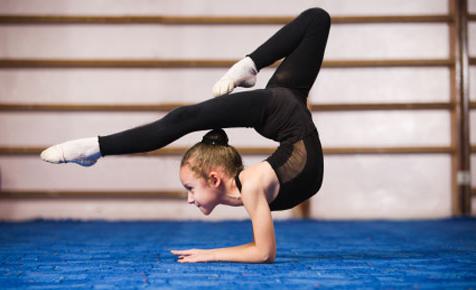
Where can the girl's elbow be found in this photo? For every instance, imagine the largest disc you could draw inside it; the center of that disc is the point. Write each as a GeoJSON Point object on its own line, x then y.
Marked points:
{"type": "Point", "coordinates": [269, 257]}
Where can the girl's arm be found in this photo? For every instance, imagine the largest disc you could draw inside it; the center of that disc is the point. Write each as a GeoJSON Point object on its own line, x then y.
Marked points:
{"type": "Point", "coordinates": [261, 250]}
{"type": "Point", "coordinates": [263, 247]}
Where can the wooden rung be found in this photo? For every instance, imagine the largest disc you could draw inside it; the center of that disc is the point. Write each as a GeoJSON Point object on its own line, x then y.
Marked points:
{"type": "Point", "coordinates": [472, 61]}
{"type": "Point", "coordinates": [389, 150]}
{"type": "Point", "coordinates": [392, 19]}
{"type": "Point", "coordinates": [171, 106]}
{"type": "Point", "coordinates": [382, 106]}
{"type": "Point", "coordinates": [114, 63]}
{"type": "Point", "coordinates": [91, 107]}
{"type": "Point", "coordinates": [91, 194]}
{"type": "Point", "coordinates": [388, 63]}
{"type": "Point", "coordinates": [190, 63]}
{"type": "Point", "coordinates": [211, 20]}
{"type": "Point", "coordinates": [177, 151]}
{"type": "Point", "coordinates": [303, 211]}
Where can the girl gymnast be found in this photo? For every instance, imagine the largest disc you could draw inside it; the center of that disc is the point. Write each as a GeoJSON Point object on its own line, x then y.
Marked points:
{"type": "Point", "coordinates": [212, 171]}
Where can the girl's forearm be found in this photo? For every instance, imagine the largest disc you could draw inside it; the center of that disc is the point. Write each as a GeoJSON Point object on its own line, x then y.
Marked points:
{"type": "Point", "coordinates": [247, 253]}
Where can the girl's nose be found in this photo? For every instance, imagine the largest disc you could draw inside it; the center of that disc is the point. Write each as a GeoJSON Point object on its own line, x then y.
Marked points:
{"type": "Point", "coordinates": [190, 198]}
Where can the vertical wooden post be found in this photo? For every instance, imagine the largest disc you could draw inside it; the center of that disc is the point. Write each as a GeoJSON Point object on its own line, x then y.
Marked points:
{"type": "Point", "coordinates": [461, 176]}
{"type": "Point", "coordinates": [302, 211]}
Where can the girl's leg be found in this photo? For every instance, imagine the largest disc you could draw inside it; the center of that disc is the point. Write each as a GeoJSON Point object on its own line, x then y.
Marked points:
{"type": "Point", "coordinates": [236, 110]}
{"type": "Point", "coordinates": [302, 43]}
{"type": "Point", "coordinates": [243, 109]}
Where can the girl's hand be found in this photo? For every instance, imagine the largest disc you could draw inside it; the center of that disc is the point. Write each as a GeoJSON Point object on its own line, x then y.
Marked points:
{"type": "Point", "coordinates": [193, 255]}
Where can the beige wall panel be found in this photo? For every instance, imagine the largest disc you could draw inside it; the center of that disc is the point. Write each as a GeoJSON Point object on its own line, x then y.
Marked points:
{"type": "Point", "coordinates": [473, 169]}
{"type": "Point", "coordinates": [401, 41]}
{"type": "Point", "coordinates": [113, 86]}
{"type": "Point", "coordinates": [26, 129]}
{"type": "Point", "coordinates": [383, 128]}
{"type": "Point", "coordinates": [472, 38]}
{"type": "Point", "coordinates": [118, 86]}
{"type": "Point", "coordinates": [400, 187]}
{"type": "Point", "coordinates": [472, 6]}
{"type": "Point", "coordinates": [155, 41]}
{"type": "Point", "coordinates": [107, 209]}
{"type": "Point", "coordinates": [354, 187]}
{"type": "Point", "coordinates": [131, 41]}
{"type": "Point", "coordinates": [472, 127]}
{"type": "Point", "coordinates": [228, 7]}
{"type": "Point", "coordinates": [473, 206]}
{"type": "Point", "coordinates": [114, 173]}
{"type": "Point", "coordinates": [118, 209]}
{"type": "Point", "coordinates": [407, 128]}
{"type": "Point", "coordinates": [382, 85]}
{"type": "Point", "coordinates": [472, 83]}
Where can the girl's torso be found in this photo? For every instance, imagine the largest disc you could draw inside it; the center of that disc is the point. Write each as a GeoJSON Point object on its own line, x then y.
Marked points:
{"type": "Point", "coordinates": [293, 173]}
{"type": "Point", "coordinates": [289, 176]}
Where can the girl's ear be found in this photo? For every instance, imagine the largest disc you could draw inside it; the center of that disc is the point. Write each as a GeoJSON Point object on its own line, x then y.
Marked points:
{"type": "Point", "coordinates": [214, 179]}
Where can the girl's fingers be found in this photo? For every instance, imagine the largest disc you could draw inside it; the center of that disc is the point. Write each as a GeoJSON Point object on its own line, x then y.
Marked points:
{"type": "Point", "coordinates": [182, 259]}
{"type": "Point", "coordinates": [186, 260]}
{"type": "Point", "coordinates": [177, 251]}
{"type": "Point", "coordinates": [182, 252]}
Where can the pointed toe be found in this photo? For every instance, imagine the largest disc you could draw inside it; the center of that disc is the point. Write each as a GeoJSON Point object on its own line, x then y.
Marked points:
{"type": "Point", "coordinates": [52, 154]}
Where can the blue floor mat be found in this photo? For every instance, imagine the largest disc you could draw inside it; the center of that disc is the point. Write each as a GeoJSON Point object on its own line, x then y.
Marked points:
{"type": "Point", "coordinates": [437, 254]}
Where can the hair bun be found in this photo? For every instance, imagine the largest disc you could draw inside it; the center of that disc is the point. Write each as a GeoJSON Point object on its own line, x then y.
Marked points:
{"type": "Point", "coordinates": [216, 137]}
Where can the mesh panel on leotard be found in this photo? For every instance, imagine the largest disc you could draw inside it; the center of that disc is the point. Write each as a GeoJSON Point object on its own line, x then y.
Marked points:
{"type": "Point", "coordinates": [295, 163]}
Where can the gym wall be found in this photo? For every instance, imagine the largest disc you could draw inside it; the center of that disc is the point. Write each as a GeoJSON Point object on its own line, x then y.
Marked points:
{"type": "Point", "coordinates": [380, 163]}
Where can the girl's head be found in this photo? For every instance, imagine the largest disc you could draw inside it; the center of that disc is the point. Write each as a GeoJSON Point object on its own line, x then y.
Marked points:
{"type": "Point", "coordinates": [205, 166]}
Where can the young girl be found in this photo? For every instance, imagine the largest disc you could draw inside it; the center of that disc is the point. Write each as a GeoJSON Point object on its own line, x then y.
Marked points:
{"type": "Point", "coordinates": [212, 171]}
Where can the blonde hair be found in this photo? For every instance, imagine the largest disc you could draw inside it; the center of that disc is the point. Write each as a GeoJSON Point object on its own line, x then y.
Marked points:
{"type": "Point", "coordinates": [211, 153]}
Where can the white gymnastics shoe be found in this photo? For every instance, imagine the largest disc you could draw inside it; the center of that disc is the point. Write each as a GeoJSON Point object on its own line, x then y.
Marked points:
{"type": "Point", "coordinates": [84, 152]}
{"type": "Point", "coordinates": [241, 74]}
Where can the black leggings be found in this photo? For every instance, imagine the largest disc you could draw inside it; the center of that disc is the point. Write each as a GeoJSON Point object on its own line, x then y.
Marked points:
{"type": "Point", "coordinates": [301, 42]}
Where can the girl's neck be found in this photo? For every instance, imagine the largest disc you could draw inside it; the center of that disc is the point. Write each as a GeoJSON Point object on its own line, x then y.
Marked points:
{"type": "Point", "coordinates": [232, 195]}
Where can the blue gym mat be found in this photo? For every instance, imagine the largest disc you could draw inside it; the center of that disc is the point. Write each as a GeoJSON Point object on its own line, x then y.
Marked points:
{"type": "Point", "coordinates": [434, 254]}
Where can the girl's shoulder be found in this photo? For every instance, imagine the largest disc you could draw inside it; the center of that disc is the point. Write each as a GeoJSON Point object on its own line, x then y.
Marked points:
{"type": "Point", "coordinates": [263, 177]}
{"type": "Point", "coordinates": [257, 170]}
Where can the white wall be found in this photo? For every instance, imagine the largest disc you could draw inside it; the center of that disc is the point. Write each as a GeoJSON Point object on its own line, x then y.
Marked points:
{"type": "Point", "coordinates": [362, 186]}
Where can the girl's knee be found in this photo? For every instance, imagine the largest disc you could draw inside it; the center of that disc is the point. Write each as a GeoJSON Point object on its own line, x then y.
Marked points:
{"type": "Point", "coordinates": [181, 115]}
{"type": "Point", "coordinates": [319, 15]}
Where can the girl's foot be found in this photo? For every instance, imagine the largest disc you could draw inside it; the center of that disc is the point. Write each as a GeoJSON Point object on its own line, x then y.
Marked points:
{"type": "Point", "coordinates": [84, 152]}
{"type": "Point", "coordinates": [241, 74]}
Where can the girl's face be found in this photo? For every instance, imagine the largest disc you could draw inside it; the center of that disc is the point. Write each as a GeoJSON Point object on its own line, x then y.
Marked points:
{"type": "Point", "coordinates": [205, 195]}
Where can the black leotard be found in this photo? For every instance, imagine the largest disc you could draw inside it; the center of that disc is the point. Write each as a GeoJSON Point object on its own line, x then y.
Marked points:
{"type": "Point", "coordinates": [298, 161]}
{"type": "Point", "coordinates": [277, 112]}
